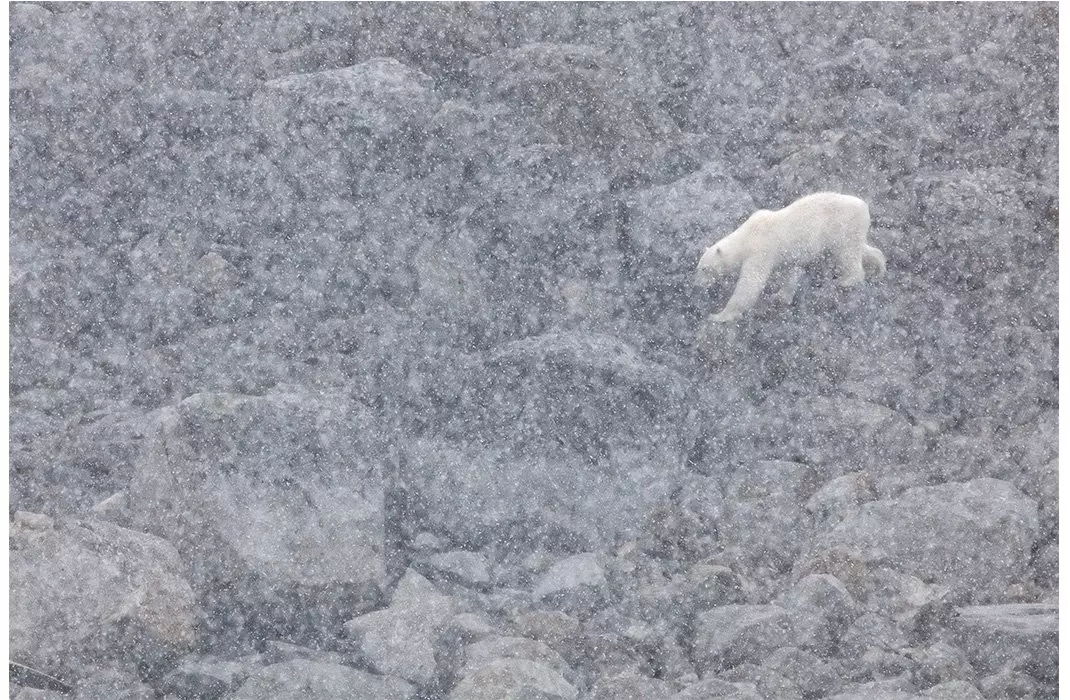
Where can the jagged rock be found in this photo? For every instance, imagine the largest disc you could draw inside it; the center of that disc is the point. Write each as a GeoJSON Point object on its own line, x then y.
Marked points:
{"type": "Point", "coordinates": [513, 679]}
{"type": "Point", "coordinates": [629, 686]}
{"type": "Point", "coordinates": [577, 583]}
{"type": "Point", "coordinates": [553, 627]}
{"type": "Point", "coordinates": [711, 585]}
{"type": "Point", "coordinates": [574, 94]}
{"type": "Point", "coordinates": [234, 480]}
{"type": "Point", "coordinates": [715, 688]}
{"type": "Point", "coordinates": [487, 650]}
{"type": "Point", "coordinates": [674, 222]}
{"type": "Point", "coordinates": [972, 537]}
{"type": "Point", "coordinates": [399, 640]}
{"type": "Point", "coordinates": [379, 95]}
{"type": "Point", "coordinates": [468, 568]}
{"type": "Point", "coordinates": [872, 630]}
{"type": "Point", "coordinates": [840, 497]}
{"type": "Point", "coordinates": [952, 690]}
{"type": "Point", "coordinates": [1010, 684]}
{"type": "Point", "coordinates": [792, 671]}
{"type": "Point", "coordinates": [821, 611]}
{"type": "Point", "coordinates": [317, 680]}
{"type": "Point", "coordinates": [730, 635]}
{"type": "Point", "coordinates": [113, 683]}
{"type": "Point", "coordinates": [765, 525]}
{"type": "Point", "coordinates": [571, 573]}
{"type": "Point", "coordinates": [942, 663]}
{"type": "Point", "coordinates": [483, 496]}
{"type": "Point", "coordinates": [200, 678]}
{"type": "Point", "coordinates": [87, 593]}
{"type": "Point", "coordinates": [1010, 638]}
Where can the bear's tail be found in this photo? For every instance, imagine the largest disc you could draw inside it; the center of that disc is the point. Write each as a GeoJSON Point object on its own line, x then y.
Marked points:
{"type": "Point", "coordinates": [873, 258]}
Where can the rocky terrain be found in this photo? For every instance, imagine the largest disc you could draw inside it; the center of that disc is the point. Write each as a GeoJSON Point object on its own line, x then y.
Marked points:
{"type": "Point", "coordinates": [354, 353]}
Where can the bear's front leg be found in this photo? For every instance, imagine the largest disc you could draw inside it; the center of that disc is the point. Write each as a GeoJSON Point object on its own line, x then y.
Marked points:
{"type": "Point", "coordinates": [752, 278]}
{"type": "Point", "coordinates": [786, 293]}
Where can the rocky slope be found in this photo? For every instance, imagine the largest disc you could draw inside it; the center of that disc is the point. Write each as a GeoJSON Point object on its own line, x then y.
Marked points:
{"type": "Point", "coordinates": [353, 351]}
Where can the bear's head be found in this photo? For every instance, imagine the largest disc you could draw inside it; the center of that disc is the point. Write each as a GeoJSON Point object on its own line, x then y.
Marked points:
{"type": "Point", "coordinates": [713, 264]}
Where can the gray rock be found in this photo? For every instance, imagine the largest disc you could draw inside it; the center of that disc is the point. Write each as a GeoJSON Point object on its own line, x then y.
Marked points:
{"type": "Point", "coordinates": [553, 627]}
{"type": "Point", "coordinates": [87, 593]}
{"type": "Point", "coordinates": [629, 686]}
{"type": "Point", "coordinates": [484, 651]}
{"type": "Point", "coordinates": [765, 524]}
{"type": "Point", "coordinates": [234, 482]}
{"type": "Point", "coordinates": [1010, 638]}
{"type": "Point", "coordinates": [307, 116]}
{"type": "Point", "coordinates": [317, 680]}
{"type": "Point", "coordinates": [730, 635]}
{"type": "Point", "coordinates": [482, 496]}
{"type": "Point", "coordinates": [941, 663]}
{"type": "Point", "coordinates": [953, 690]}
{"type": "Point", "coordinates": [821, 611]}
{"type": "Point", "coordinates": [526, 78]}
{"type": "Point", "coordinates": [791, 670]}
{"type": "Point", "coordinates": [37, 694]}
{"type": "Point", "coordinates": [207, 678]}
{"type": "Point", "coordinates": [872, 630]}
{"type": "Point", "coordinates": [513, 679]}
{"type": "Point", "coordinates": [711, 688]}
{"type": "Point", "coordinates": [928, 531]}
{"type": "Point", "coordinates": [840, 497]}
{"type": "Point", "coordinates": [1011, 684]}
{"type": "Point", "coordinates": [113, 683]}
{"type": "Point", "coordinates": [711, 585]}
{"type": "Point", "coordinates": [827, 431]}
{"type": "Point", "coordinates": [399, 640]}
{"type": "Point", "coordinates": [570, 574]}
{"type": "Point", "coordinates": [675, 222]}
{"type": "Point", "coordinates": [468, 568]}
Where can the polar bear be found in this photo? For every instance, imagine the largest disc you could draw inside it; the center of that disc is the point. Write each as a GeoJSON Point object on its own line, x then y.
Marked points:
{"type": "Point", "coordinates": [785, 240]}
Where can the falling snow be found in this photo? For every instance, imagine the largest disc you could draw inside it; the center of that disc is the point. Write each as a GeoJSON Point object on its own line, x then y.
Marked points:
{"type": "Point", "coordinates": [355, 352]}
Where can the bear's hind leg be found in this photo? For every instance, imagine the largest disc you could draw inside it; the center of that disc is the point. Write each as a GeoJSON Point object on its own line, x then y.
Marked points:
{"type": "Point", "coordinates": [849, 264]}
{"type": "Point", "coordinates": [874, 259]}
{"type": "Point", "coordinates": [790, 284]}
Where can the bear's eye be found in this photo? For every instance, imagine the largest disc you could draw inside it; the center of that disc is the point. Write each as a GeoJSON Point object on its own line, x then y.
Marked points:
{"type": "Point", "coordinates": [717, 251]}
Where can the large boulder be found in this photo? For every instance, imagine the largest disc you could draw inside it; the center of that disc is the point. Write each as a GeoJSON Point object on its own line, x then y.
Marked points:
{"type": "Point", "coordinates": [480, 496]}
{"type": "Point", "coordinates": [730, 635]}
{"type": "Point", "coordinates": [330, 125]}
{"type": "Point", "coordinates": [574, 94]}
{"type": "Point", "coordinates": [1011, 638]}
{"type": "Point", "coordinates": [973, 537]}
{"type": "Point", "coordinates": [319, 680]}
{"type": "Point", "coordinates": [399, 639]}
{"type": "Point", "coordinates": [271, 500]}
{"type": "Point", "coordinates": [90, 593]}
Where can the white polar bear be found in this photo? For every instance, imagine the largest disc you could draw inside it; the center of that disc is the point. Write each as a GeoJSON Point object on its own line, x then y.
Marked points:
{"type": "Point", "coordinates": [825, 222]}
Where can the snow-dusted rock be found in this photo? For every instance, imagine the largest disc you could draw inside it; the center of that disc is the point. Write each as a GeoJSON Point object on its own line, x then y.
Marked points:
{"type": "Point", "coordinates": [730, 635]}
{"type": "Point", "coordinates": [821, 610]}
{"type": "Point", "coordinates": [270, 494]}
{"type": "Point", "coordinates": [468, 568]}
{"type": "Point", "coordinates": [973, 537]}
{"type": "Point", "coordinates": [400, 639]}
{"type": "Point", "coordinates": [513, 679]}
{"type": "Point", "coordinates": [318, 680]}
{"type": "Point", "coordinates": [86, 593]}
{"type": "Point", "coordinates": [716, 689]}
{"type": "Point", "coordinates": [630, 686]}
{"type": "Point", "coordinates": [1010, 638]}
{"type": "Point", "coordinates": [952, 690]}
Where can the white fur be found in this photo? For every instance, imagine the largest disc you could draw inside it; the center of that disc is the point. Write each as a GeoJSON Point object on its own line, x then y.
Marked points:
{"type": "Point", "coordinates": [785, 240]}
